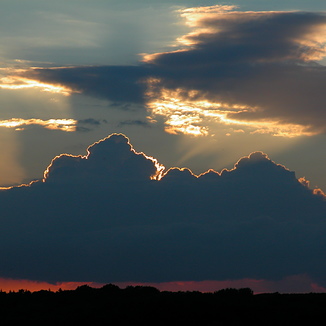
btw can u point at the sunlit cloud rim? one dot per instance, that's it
(156, 176)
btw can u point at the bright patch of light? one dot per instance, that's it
(193, 117)
(68, 125)
(17, 82)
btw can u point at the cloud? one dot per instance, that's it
(91, 121)
(68, 125)
(85, 125)
(254, 69)
(16, 82)
(140, 123)
(98, 167)
(117, 83)
(114, 215)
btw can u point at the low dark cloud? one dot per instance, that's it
(140, 123)
(91, 121)
(265, 61)
(106, 162)
(102, 217)
(85, 125)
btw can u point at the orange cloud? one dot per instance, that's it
(290, 284)
(15, 82)
(184, 113)
(68, 125)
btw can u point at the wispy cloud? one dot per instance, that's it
(68, 125)
(17, 82)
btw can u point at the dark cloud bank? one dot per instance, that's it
(102, 218)
(263, 60)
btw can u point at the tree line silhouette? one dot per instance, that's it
(145, 305)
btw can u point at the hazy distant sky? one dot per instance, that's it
(196, 84)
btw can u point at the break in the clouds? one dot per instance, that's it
(253, 70)
(115, 215)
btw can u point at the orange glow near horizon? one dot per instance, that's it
(68, 125)
(7, 285)
(291, 284)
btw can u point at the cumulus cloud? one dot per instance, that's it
(114, 215)
(106, 161)
(258, 69)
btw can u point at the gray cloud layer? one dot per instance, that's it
(101, 217)
(265, 61)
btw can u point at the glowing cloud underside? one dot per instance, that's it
(187, 116)
(68, 125)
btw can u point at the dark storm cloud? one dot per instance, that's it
(263, 60)
(101, 217)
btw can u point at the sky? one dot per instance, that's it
(175, 143)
